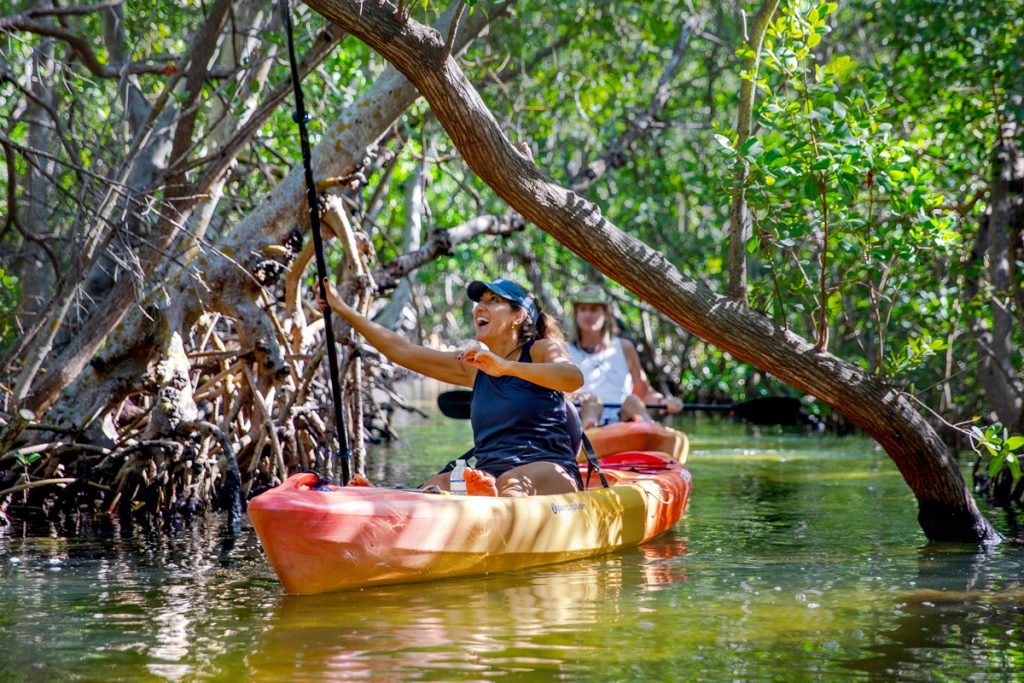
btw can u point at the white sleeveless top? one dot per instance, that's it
(605, 372)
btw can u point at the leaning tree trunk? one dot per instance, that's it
(947, 511)
(158, 236)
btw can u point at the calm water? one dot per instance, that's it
(799, 559)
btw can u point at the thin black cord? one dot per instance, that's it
(321, 263)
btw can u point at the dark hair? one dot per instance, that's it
(546, 326)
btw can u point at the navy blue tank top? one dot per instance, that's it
(517, 422)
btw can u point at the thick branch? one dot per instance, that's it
(947, 510)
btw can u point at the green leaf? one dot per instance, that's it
(752, 147)
(835, 303)
(1014, 463)
(994, 466)
(811, 188)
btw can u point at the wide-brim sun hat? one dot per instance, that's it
(591, 294)
(506, 289)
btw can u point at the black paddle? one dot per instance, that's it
(769, 410)
(456, 404)
(345, 453)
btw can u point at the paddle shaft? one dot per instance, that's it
(652, 406)
(766, 410)
(321, 262)
(456, 403)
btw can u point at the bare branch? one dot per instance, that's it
(80, 46)
(615, 156)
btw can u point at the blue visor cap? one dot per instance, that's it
(506, 289)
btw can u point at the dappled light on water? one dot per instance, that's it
(799, 558)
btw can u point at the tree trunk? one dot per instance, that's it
(739, 213)
(158, 237)
(997, 375)
(947, 511)
(399, 313)
(221, 279)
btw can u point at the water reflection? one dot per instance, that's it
(124, 604)
(798, 559)
(964, 604)
(483, 626)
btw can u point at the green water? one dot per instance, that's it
(799, 559)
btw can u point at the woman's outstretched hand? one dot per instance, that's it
(333, 300)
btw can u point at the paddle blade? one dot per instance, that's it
(775, 410)
(455, 404)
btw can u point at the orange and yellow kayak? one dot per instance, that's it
(336, 538)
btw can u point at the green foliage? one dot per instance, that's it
(1000, 448)
(868, 164)
(827, 165)
(915, 353)
(850, 185)
(28, 460)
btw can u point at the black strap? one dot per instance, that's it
(321, 263)
(592, 464)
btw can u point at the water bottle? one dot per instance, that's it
(457, 483)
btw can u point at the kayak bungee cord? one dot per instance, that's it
(301, 118)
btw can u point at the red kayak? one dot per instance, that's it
(338, 538)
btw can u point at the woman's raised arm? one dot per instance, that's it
(441, 365)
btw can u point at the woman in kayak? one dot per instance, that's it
(611, 366)
(525, 434)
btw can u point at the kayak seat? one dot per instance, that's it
(623, 467)
(639, 461)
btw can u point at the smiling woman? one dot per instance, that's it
(525, 432)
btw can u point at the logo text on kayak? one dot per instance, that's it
(567, 507)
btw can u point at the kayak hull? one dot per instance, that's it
(348, 537)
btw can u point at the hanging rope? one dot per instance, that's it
(301, 118)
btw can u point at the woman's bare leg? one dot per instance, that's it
(536, 478)
(590, 411)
